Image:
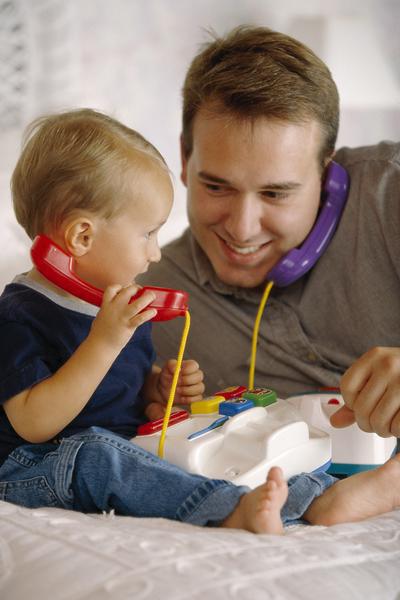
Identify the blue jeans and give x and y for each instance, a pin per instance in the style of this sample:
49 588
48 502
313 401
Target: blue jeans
97 471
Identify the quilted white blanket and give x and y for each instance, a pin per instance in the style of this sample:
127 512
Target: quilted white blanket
62 555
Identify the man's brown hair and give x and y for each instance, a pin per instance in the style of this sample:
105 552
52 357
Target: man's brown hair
255 72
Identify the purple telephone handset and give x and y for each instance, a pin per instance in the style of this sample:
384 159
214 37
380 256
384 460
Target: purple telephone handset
300 260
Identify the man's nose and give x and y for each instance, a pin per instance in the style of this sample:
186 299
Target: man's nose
244 220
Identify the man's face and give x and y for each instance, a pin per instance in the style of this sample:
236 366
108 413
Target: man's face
253 192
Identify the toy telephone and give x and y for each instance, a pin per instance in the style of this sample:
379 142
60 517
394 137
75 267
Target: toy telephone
58 267
239 434
300 260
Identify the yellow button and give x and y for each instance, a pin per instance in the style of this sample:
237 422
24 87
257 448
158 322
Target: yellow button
208 405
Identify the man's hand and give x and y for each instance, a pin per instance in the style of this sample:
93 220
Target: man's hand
190 387
371 392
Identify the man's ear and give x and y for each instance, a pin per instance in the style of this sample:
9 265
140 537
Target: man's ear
79 236
183 162
329 159
327 162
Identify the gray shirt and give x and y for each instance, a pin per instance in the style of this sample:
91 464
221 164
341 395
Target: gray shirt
314 329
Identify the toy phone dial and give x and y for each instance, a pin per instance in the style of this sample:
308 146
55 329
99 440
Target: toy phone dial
300 260
57 266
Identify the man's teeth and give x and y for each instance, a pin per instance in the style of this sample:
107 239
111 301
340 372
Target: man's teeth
241 250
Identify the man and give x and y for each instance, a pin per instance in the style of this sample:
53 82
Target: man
260 121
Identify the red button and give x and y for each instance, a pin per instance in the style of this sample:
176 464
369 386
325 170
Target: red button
333 401
231 392
153 426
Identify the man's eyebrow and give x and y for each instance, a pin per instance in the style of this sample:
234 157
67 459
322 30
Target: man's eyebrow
213 178
281 186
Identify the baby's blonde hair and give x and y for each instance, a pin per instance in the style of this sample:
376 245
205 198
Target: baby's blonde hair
72 161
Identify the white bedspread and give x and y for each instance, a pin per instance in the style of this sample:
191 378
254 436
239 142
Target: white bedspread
52 554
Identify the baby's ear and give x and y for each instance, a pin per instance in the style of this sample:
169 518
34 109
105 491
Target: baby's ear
78 236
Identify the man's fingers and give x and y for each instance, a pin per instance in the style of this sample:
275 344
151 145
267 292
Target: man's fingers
354 380
366 402
395 425
384 414
343 417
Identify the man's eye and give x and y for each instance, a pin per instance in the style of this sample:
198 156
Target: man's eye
215 188
273 194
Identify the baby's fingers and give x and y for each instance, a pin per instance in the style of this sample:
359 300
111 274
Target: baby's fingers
191 380
142 317
190 367
191 393
154 411
110 293
187 367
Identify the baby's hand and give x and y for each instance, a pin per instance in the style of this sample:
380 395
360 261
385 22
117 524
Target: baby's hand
155 411
117 319
190 385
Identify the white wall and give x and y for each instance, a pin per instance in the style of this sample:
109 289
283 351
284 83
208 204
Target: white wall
128 58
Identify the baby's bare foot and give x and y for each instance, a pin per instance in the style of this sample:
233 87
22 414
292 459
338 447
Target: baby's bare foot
259 510
358 497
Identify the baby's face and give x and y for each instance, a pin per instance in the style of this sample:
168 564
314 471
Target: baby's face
124 246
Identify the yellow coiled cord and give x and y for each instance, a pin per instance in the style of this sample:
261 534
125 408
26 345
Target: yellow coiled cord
264 299
182 346
174 384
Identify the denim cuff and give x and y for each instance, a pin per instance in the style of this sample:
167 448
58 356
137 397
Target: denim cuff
303 489
210 503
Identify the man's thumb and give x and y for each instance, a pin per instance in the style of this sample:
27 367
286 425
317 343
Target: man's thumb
343 417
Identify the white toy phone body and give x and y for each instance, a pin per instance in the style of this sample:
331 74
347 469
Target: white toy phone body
353 450
245 446
294 434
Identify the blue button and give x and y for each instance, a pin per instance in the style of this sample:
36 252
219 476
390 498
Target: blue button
233 407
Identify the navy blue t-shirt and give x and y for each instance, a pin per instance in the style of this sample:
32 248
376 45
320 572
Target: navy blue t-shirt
39 330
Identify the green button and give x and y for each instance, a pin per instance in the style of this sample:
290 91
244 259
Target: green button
261 396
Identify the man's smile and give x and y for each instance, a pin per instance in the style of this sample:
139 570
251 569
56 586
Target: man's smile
243 254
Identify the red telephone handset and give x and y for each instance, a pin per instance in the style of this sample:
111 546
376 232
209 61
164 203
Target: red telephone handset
57 266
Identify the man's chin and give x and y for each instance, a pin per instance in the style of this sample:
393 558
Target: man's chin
240 279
